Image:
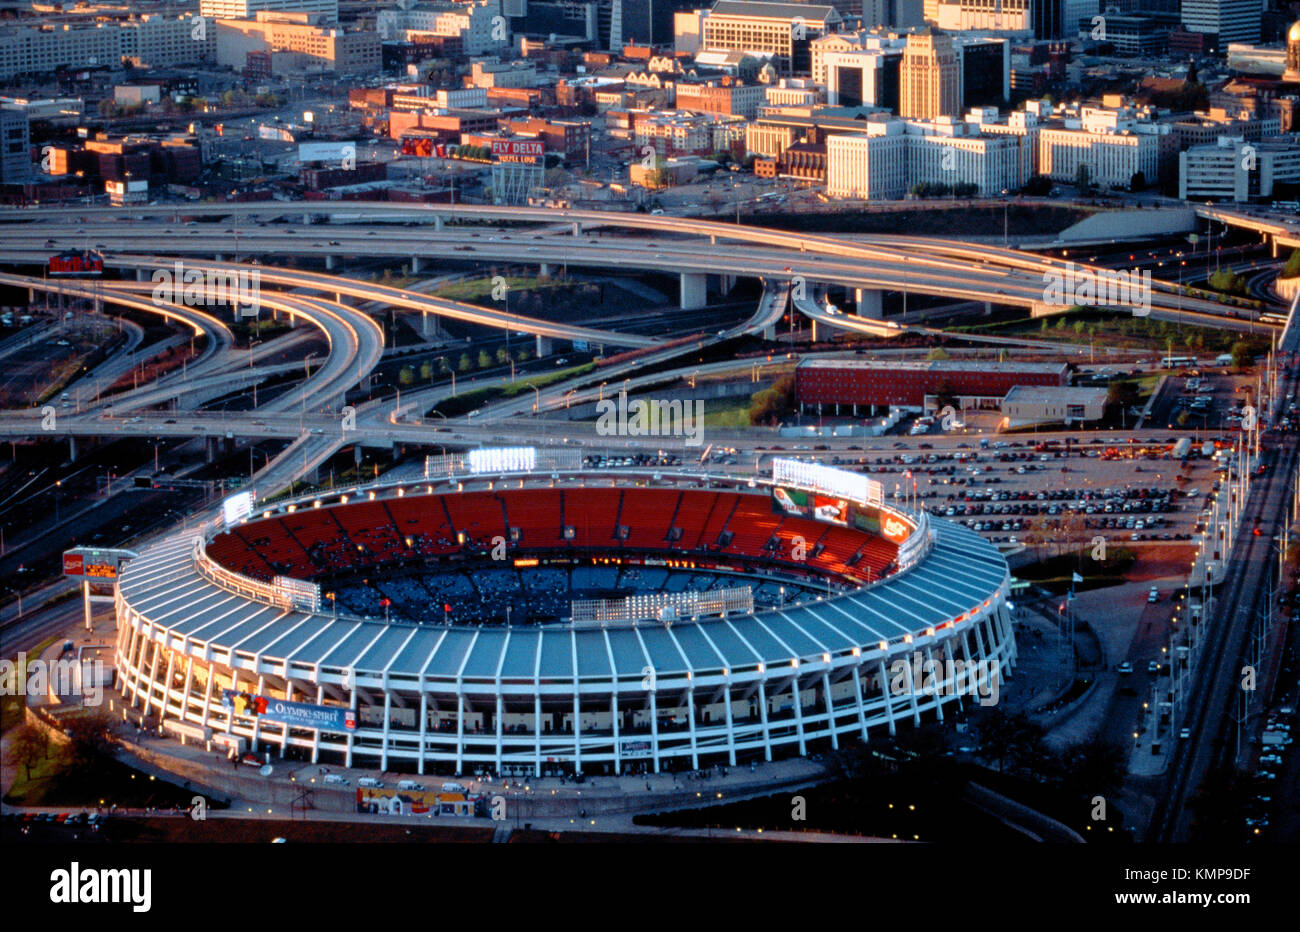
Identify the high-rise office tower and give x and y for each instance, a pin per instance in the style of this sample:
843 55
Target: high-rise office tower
1226 20
929 76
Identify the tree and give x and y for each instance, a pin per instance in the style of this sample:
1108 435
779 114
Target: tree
1037 186
1242 357
503 355
465 363
938 352
1083 177
1138 182
997 736
1292 267
484 360
426 371
28 745
406 376
90 739
1228 282
442 364
766 406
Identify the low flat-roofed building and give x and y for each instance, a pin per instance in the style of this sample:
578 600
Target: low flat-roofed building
1025 405
842 385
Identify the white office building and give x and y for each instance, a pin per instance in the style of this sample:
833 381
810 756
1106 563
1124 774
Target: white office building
150 41
248 9
946 151
476 23
1235 170
892 155
868 165
1110 143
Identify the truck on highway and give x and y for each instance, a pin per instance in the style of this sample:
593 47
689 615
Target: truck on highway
1182 448
1207 449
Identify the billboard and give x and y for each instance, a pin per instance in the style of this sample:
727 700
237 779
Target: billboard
423 147
274 133
503 459
529 151
237 507
840 483
74 564
803 504
326 151
294 714
76 263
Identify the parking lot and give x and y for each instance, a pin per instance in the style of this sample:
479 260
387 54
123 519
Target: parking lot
1122 491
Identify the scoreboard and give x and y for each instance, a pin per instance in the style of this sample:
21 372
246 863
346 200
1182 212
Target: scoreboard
94 564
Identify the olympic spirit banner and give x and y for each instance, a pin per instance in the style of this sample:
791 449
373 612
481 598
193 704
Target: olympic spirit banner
293 714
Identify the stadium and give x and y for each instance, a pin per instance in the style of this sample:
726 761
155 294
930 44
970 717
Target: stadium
505 615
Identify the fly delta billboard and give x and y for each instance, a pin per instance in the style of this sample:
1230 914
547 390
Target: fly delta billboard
293 714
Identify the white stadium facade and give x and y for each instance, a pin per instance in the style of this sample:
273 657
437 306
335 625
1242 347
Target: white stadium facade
658 680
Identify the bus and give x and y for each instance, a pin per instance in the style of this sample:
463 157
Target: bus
1274 317
1177 362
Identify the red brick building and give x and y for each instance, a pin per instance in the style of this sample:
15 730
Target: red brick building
570 138
843 384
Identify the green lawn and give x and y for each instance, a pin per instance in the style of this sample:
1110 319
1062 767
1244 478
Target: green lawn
1103 328
479 290
727 414
475 398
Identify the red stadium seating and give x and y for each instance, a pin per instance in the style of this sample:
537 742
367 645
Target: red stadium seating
312 541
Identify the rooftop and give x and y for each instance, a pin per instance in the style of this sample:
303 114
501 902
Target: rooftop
935 365
1048 394
786 11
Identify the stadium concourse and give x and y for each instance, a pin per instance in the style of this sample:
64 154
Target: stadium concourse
521 620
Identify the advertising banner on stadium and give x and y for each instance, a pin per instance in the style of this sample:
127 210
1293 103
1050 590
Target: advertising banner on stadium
895 529
634 748
863 518
293 714
412 802
810 505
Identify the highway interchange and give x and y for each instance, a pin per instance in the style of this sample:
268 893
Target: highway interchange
312 416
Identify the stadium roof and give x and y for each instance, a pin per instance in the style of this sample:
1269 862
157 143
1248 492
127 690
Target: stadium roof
164 586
